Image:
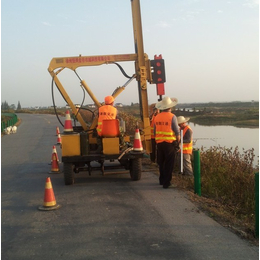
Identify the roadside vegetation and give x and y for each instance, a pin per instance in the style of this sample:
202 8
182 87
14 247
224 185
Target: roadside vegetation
227 188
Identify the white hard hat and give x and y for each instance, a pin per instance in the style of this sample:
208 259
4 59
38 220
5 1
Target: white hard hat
182 119
166 103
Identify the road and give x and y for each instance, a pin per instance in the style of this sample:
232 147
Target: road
101 217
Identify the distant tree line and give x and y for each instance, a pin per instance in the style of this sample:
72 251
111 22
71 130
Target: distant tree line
6 106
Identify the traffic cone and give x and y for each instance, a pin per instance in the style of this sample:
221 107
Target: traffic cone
58 139
54 163
68 124
137 141
55 151
57 130
49 202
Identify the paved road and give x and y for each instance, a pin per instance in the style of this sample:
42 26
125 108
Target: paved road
101 217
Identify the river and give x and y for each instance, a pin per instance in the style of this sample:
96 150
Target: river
226 136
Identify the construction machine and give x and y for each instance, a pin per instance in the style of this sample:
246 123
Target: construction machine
79 147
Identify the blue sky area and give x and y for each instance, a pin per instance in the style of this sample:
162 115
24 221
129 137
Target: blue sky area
211 48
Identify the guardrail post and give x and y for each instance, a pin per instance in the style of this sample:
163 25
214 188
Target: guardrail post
257 204
197 179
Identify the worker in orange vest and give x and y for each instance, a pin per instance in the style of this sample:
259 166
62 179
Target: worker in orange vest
107 111
187 146
167 137
152 117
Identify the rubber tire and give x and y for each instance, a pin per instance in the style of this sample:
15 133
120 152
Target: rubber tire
68 173
136 169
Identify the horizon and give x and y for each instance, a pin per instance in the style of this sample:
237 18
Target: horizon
217 102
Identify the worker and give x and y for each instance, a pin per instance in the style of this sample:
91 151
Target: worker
167 137
186 147
107 111
152 117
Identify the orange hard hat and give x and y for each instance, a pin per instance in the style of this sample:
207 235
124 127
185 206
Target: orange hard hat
109 100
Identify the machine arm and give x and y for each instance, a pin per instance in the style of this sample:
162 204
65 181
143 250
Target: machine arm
80 61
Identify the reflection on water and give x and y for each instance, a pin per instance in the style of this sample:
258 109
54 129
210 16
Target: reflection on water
226 136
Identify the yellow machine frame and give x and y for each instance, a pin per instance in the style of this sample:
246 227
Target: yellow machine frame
142 73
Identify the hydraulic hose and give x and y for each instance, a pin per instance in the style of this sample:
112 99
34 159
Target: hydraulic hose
122 70
53 102
84 95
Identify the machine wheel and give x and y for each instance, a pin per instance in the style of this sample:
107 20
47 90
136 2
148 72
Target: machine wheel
136 169
68 173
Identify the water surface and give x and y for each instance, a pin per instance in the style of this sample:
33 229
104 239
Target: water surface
226 136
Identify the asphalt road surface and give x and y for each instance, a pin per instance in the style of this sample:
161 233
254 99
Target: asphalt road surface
101 217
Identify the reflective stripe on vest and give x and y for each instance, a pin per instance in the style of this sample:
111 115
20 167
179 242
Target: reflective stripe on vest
163 123
187 147
105 112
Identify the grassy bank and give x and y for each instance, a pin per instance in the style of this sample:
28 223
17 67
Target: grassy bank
227 188
239 120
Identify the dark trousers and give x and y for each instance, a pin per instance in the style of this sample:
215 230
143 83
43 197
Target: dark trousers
153 153
165 160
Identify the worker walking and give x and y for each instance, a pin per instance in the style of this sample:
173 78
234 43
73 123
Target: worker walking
187 146
152 117
167 137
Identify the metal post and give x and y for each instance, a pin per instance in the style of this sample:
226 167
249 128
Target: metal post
197 179
181 151
257 204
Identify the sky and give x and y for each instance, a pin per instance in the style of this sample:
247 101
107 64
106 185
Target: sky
210 48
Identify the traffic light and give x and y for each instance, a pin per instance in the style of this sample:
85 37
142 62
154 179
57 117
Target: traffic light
158 73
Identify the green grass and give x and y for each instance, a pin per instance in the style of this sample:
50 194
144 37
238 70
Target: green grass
227 185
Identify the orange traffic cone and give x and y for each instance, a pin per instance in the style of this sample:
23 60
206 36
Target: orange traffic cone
54 162
49 202
55 151
57 130
68 124
137 141
58 139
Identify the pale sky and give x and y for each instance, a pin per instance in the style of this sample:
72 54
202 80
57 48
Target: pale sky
210 48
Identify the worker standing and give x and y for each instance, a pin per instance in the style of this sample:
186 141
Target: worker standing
167 137
187 146
154 114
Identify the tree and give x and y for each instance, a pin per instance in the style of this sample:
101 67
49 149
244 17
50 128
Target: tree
19 106
4 106
12 106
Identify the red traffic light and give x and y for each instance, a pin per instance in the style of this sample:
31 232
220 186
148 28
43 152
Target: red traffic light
158 73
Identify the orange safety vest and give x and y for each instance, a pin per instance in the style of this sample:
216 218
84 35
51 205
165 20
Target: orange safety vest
187 147
105 112
163 124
